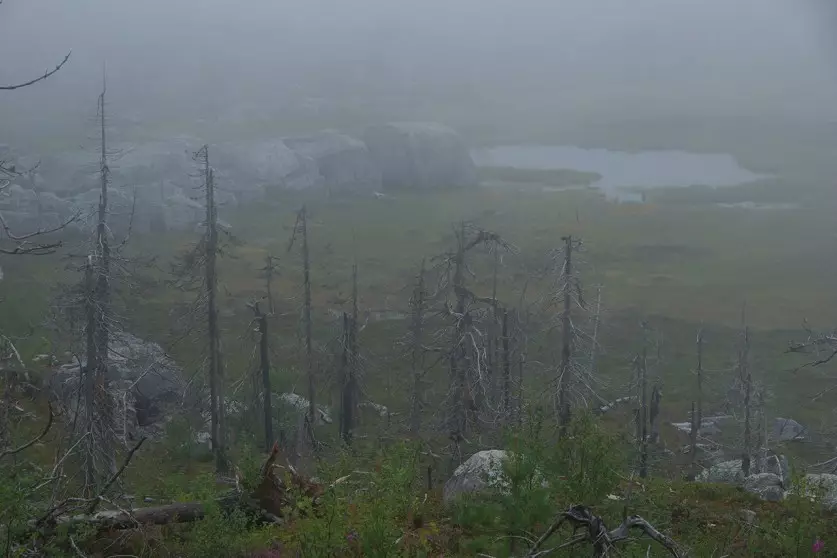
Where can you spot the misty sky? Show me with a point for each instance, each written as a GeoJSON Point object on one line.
{"type": "Point", "coordinates": [206, 57]}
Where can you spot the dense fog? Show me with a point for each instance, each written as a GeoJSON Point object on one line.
{"type": "Point", "coordinates": [234, 60]}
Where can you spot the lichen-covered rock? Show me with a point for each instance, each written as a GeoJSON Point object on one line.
{"type": "Point", "coordinates": [343, 161]}
{"type": "Point", "coordinates": [420, 155]}
{"type": "Point", "coordinates": [822, 488]}
{"type": "Point", "coordinates": [787, 430]}
{"type": "Point", "coordinates": [727, 472]}
{"type": "Point", "coordinates": [482, 470]}
{"type": "Point", "coordinates": [300, 405]}
{"type": "Point", "coordinates": [766, 486]}
{"type": "Point", "coordinates": [264, 166]}
{"type": "Point", "coordinates": [144, 381]}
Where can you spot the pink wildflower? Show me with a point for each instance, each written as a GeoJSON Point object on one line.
{"type": "Point", "coordinates": [818, 546]}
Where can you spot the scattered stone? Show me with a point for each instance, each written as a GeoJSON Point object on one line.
{"type": "Point", "coordinates": [748, 516]}
{"type": "Point", "coordinates": [481, 471]}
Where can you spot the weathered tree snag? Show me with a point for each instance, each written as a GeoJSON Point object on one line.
{"type": "Point", "coordinates": [656, 399]}
{"type": "Point", "coordinates": [264, 367]}
{"type": "Point", "coordinates": [642, 370]}
{"type": "Point", "coordinates": [217, 433]}
{"type": "Point", "coordinates": [747, 381]}
{"type": "Point", "coordinates": [506, 396]}
{"type": "Point", "coordinates": [417, 303]}
{"type": "Point", "coordinates": [102, 433]}
{"type": "Point", "coordinates": [566, 335]}
{"type": "Point", "coordinates": [697, 416]}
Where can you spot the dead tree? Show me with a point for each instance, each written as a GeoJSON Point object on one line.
{"type": "Point", "coordinates": [594, 346]}
{"type": "Point", "coordinates": [264, 368]}
{"type": "Point", "coordinates": [468, 316]}
{"type": "Point", "coordinates": [506, 389]}
{"type": "Point", "coordinates": [567, 294]}
{"type": "Point", "coordinates": [697, 414]}
{"type": "Point", "coordinates": [654, 413]}
{"type": "Point", "coordinates": [269, 270]}
{"type": "Point", "coordinates": [216, 370]}
{"type": "Point", "coordinates": [417, 309]}
{"type": "Point", "coordinates": [301, 227]}
{"type": "Point", "coordinates": [746, 378]}
{"type": "Point", "coordinates": [100, 461]}
{"type": "Point", "coordinates": [349, 365]}
{"type": "Point", "coordinates": [641, 363]}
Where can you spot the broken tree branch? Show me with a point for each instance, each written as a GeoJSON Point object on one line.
{"type": "Point", "coordinates": [603, 541]}
{"type": "Point", "coordinates": [37, 79]}
{"type": "Point", "coordinates": [34, 440]}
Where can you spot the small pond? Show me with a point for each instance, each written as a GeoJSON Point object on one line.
{"type": "Point", "coordinates": [623, 174]}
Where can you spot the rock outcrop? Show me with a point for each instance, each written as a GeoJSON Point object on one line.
{"type": "Point", "coordinates": [154, 185]}
{"type": "Point", "coordinates": [343, 161]}
{"type": "Point", "coordinates": [420, 155]}
{"type": "Point", "coordinates": [264, 166]}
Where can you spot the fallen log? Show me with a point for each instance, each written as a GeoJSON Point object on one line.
{"type": "Point", "coordinates": [185, 512]}
{"type": "Point", "coordinates": [266, 502]}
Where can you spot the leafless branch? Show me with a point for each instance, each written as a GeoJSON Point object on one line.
{"type": "Point", "coordinates": [603, 541]}
{"type": "Point", "coordinates": [34, 440]}
{"type": "Point", "coordinates": [37, 79]}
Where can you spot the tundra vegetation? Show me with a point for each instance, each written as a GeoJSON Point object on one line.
{"type": "Point", "coordinates": [333, 343]}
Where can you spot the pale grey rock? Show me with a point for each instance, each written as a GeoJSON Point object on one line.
{"type": "Point", "coordinates": [420, 155]}
{"type": "Point", "coordinates": [787, 430]}
{"type": "Point", "coordinates": [144, 380]}
{"type": "Point", "coordinates": [256, 168]}
{"type": "Point", "coordinates": [727, 472]}
{"type": "Point", "coordinates": [481, 471]}
{"type": "Point", "coordinates": [343, 161]}
{"type": "Point", "coordinates": [821, 488]}
{"type": "Point", "coordinates": [766, 486]}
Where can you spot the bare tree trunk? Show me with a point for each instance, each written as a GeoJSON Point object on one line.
{"type": "Point", "coordinates": [522, 347]}
{"type": "Point", "coordinates": [270, 267]}
{"type": "Point", "coordinates": [267, 391]}
{"type": "Point", "coordinates": [747, 380]}
{"type": "Point", "coordinates": [494, 340]}
{"type": "Point", "coordinates": [697, 418]}
{"type": "Point", "coordinates": [306, 317]}
{"type": "Point", "coordinates": [643, 409]}
{"type": "Point", "coordinates": [349, 366]}
{"type": "Point", "coordinates": [101, 426]}
{"type": "Point", "coordinates": [656, 399]}
{"type": "Point", "coordinates": [506, 369]}
{"type": "Point", "coordinates": [89, 372]}
{"type": "Point", "coordinates": [594, 350]}
{"type": "Point", "coordinates": [566, 336]}
{"type": "Point", "coordinates": [457, 358]}
{"type": "Point", "coordinates": [417, 361]}
{"type": "Point", "coordinates": [218, 434]}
